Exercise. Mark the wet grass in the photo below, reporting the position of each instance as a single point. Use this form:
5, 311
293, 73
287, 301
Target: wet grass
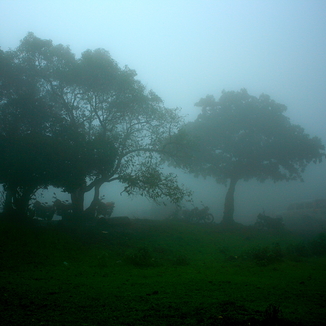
161, 273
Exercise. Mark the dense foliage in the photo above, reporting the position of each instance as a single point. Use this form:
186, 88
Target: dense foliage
76, 123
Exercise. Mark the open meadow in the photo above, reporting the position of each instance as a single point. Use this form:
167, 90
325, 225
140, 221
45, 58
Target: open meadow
161, 273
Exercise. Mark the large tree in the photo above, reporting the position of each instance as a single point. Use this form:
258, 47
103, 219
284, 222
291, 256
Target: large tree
103, 124
242, 137
26, 123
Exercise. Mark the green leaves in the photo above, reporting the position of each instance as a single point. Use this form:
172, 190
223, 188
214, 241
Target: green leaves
99, 122
250, 137
151, 182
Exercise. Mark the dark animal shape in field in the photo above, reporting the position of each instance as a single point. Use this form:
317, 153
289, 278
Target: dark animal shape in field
104, 210
98, 210
63, 208
43, 211
269, 223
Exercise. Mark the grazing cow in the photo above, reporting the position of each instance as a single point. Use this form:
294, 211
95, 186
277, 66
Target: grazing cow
43, 211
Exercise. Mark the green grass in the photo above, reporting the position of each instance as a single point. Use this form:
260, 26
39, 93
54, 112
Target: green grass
161, 273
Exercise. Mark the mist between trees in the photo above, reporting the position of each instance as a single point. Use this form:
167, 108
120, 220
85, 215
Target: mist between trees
78, 124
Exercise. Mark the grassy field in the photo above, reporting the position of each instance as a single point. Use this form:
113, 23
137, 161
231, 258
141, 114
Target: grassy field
161, 273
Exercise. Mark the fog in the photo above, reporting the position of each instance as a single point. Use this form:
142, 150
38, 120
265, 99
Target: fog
184, 50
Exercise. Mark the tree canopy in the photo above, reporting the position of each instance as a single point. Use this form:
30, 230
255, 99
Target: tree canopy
242, 137
76, 123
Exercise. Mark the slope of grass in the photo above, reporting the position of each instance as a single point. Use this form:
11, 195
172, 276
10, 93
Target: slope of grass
160, 273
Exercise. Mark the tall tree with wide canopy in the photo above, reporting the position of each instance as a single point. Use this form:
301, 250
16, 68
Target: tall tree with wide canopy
242, 137
103, 125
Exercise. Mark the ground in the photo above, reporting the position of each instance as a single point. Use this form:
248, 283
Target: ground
161, 273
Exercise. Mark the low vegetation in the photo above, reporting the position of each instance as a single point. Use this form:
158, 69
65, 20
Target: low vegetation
161, 273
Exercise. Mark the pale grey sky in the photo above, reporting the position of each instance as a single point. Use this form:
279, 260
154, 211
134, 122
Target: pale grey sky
185, 49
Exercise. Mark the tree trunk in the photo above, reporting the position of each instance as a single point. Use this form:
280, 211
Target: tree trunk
229, 203
17, 201
22, 200
77, 200
8, 204
90, 211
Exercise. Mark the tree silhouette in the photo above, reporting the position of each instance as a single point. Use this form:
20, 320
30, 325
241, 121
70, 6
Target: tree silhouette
242, 137
98, 120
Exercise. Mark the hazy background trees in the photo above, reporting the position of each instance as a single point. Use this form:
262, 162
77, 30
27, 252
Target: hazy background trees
242, 137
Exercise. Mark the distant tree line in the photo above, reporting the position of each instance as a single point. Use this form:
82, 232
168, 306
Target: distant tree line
77, 123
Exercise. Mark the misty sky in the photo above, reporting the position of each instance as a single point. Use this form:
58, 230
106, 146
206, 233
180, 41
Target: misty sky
184, 50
